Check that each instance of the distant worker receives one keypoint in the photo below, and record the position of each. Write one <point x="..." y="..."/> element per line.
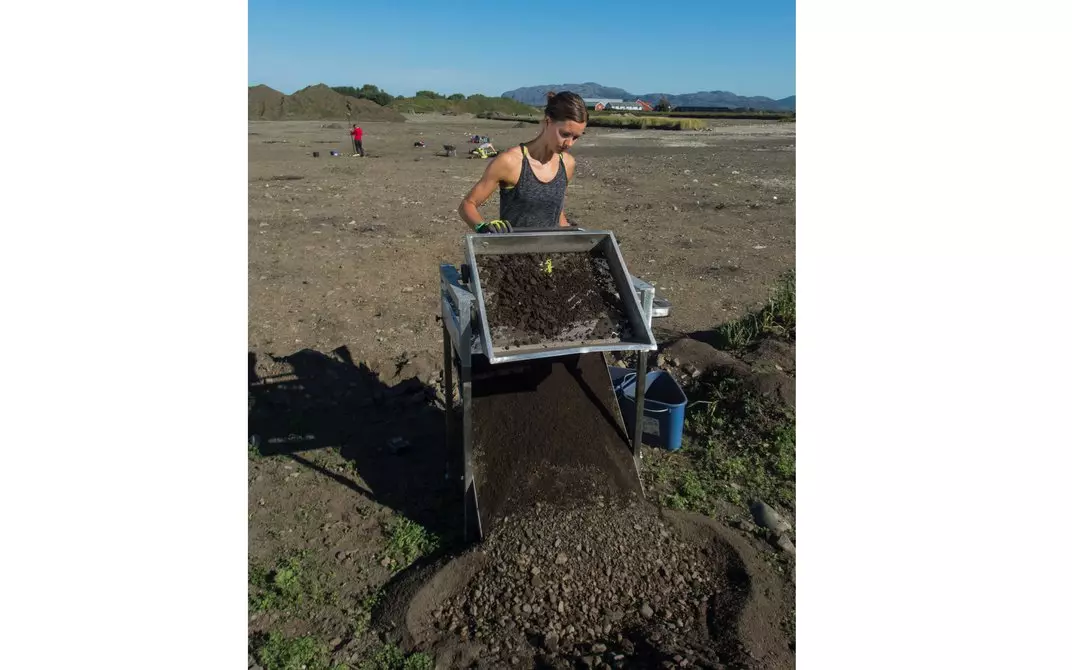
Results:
<point x="357" y="133"/>
<point x="531" y="177"/>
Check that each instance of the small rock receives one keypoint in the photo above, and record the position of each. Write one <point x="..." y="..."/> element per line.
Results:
<point x="646" y="611"/>
<point x="765" y="516"/>
<point x="550" y="642"/>
<point x="599" y="648"/>
<point x="514" y="660"/>
<point x="335" y="642"/>
<point x="786" y="545"/>
<point x="561" y="559"/>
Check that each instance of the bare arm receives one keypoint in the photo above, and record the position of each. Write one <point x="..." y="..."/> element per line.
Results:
<point x="469" y="210"/>
<point x="569" y="164"/>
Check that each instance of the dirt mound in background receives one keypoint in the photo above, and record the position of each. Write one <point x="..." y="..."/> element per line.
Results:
<point x="265" y="103"/>
<point x="599" y="586"/>
<point x="314" y="103"/>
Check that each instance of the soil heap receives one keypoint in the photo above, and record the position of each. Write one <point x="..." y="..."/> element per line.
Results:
<point x="314" y="103"/>
<point x="597" y="586"/>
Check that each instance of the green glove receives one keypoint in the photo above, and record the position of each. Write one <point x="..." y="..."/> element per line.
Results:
<point x="496" y="226"/>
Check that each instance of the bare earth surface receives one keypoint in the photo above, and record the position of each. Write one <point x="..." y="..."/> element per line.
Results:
<point x="347" y="405"/>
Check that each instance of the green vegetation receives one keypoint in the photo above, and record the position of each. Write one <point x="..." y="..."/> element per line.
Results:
<point x="642" y="122"/>
<point x="363" y="616"/>
<point x="738" y="443"/>
<point x="366" y="92"/>
<point x="432" y="102"/>
<point x="288" y="584"/>
<point x="390" y="657"/>
<point x="649" y="120"/>
<point x="754" y="114"/>
<point x="275" y="651"/>
<point x="406" y="542"/>
<point x="777" y="318"/>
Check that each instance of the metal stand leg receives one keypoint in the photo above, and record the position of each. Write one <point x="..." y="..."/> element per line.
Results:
<point x="448" y="398"/>
<point x="638" y="420"/>
<point x="473" y="530"/>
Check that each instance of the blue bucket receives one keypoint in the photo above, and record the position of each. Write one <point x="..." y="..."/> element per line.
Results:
<point x="664" y="406"/>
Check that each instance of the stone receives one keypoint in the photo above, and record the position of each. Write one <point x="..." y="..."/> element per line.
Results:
<point x="766" y="517"/>
<point x="550" y="642"/>
<point x="646" y="611"/>
<point x="786" y="545"/>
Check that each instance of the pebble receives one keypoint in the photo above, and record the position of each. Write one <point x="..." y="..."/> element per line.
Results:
<point x="560" y="559"/>
<point x="646" y="611"/>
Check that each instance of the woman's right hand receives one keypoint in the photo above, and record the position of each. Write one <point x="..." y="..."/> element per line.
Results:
<point x="494" y="227"/>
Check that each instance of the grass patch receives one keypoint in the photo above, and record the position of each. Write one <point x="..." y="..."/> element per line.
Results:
<point x="738" y="445"/>
<point x="777" y="318"/>
<point x="275" y="651"/>
<point x="644" y="122"/>
<point x="390" y="657"/>
<point x="363" y="616"/>
<point x="287" y="585"/>
<point x="481" y="105"/>
<point x="615" y="121"/>
<point x="406" y="542"/>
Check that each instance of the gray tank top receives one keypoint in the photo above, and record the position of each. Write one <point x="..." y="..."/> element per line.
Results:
<point x="532" y="203"/>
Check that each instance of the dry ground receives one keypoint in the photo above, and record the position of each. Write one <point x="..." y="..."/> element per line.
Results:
<point x="345" y="350"/>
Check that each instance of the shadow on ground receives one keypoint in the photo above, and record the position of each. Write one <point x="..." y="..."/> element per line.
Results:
<point x="393" y="434"/>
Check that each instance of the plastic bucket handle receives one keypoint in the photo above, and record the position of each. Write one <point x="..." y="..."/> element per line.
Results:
<point x="626" y="380"/>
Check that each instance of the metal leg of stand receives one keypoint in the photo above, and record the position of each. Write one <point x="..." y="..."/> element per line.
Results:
<point x="448" y="397"/>
<point x="638" y="420"/>
<point x="472" y="510"/>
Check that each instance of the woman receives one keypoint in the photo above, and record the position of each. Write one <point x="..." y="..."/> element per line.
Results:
<point x="532" y="176"/>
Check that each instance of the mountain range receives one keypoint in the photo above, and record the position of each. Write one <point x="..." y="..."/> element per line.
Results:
<point x="537" y="96"/>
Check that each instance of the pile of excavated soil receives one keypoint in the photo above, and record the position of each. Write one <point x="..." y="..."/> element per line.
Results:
<point x="597" y="586"/>
<point x="574" y="302"/>
<point x="315" y="103"/>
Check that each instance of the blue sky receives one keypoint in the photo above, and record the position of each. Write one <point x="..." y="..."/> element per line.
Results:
<point x="748" y="48"/>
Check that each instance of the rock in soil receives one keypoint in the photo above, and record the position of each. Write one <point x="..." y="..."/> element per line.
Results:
<point x="765" y="516"/>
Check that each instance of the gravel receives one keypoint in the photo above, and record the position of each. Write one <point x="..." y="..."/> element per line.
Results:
<point x="597" y="586"/>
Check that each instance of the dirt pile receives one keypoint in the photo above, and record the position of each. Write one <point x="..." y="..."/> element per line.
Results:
<point x="596" y="587"/>
<point x="265" y="103"/>
<point x="548" y="298"/>
<point x="316" y="103"/>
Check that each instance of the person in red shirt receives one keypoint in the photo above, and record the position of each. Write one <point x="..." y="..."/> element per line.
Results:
<point x="356" y="133"/>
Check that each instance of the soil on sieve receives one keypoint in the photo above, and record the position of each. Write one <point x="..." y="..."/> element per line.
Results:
<point x="547" y="430"/>
<point x="535" y="299"/>
<point x="596" y="586"/>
